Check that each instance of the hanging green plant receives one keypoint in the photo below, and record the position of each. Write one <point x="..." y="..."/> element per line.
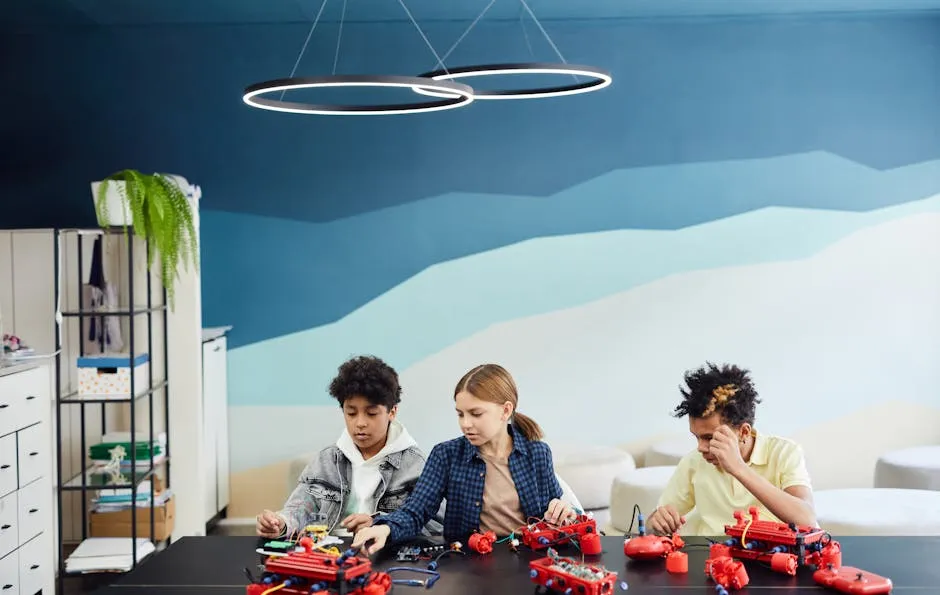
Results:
<point x="159" y="211"/>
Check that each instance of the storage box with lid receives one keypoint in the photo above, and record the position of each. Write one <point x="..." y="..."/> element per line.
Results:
<point x="119" y="523"/>
<point x="109" y="375"/>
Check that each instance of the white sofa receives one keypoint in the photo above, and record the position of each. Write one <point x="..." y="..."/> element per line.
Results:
<point x="590" y="470"/>
<point x="639" y="487"/>
<point x="878" y="511"/>
<point x="917" y="468"/>
<point x="669" y="451"/>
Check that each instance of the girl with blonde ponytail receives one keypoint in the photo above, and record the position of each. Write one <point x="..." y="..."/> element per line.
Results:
<point x="495" y="477"/>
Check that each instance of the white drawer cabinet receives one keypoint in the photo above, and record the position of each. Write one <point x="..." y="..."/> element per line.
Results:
<point x="10" y="574"/>
<point x="8" y="482"/>
<point x="27" y="555"/>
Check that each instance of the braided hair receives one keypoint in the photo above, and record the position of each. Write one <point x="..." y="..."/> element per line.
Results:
<point x="727" y="390"/>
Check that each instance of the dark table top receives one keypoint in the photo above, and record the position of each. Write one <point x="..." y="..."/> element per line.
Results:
<point x="215" y="566"/>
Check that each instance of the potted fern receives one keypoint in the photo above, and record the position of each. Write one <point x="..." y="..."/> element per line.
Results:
<point x="159" y="210"/>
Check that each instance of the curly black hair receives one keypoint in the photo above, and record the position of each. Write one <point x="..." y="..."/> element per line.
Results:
<point x="367" y="376"/>
<point x="727" y="390"/>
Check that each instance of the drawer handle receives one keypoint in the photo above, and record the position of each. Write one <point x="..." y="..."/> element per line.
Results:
<point x="5" y="527"/>
<point x="32" y="510"/>
<point x="34" y="567"/>
<point x="5" y="587"/>
<point x="34" y="453"/>
<point x="2" y="467"/>
<point x="4" y="405"/>
<point x="30" y="397"/>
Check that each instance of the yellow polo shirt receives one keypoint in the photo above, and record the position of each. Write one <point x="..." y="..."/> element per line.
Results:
<point x="708" y="497"/>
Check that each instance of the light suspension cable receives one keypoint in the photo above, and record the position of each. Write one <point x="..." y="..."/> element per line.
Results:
<point x="451" y="94"/>
<point x="598" y="78"/>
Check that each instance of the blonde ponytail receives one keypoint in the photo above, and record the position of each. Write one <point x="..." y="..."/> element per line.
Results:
<point x="528" y="426"/>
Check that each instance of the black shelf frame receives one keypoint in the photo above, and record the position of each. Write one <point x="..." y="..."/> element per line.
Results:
<point x="133" y="477"/>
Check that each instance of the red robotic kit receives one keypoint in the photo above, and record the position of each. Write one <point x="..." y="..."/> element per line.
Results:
<point x="542" y="535"/>
<point x="306" y="571"/>
<point x="785" y="548"/>
<point x="566" y="575"/>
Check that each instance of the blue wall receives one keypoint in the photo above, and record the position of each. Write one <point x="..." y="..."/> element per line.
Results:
<point x="307" y="218"/>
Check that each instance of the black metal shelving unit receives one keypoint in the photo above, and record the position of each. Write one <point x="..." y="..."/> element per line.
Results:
<point x="91" y="477"/>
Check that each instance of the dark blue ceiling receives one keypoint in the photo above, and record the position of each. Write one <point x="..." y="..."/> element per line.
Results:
<point x="30" y="15"/>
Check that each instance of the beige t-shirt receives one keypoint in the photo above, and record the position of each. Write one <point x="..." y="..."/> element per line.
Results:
<point x="501" y="512"/>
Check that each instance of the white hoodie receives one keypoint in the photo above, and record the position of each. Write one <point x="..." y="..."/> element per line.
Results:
<point x="365" y="476"/>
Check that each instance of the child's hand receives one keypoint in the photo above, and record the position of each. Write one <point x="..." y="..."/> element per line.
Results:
<point x="559" y="511"/>
<point x="665" y="520"/>
<point x="354" y="522"/>
<point x="268" y="524"/>
<point x="376" y="535"/>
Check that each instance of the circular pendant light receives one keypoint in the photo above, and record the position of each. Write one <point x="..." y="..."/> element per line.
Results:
<point x="455" y="95"/>
<point x="599" y="80"/>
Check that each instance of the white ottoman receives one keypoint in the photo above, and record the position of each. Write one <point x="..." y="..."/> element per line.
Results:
<point x="916" y="468"/>
<point x="878" y="511"/>
<point x="641" y="487"/>
<point x="668" y="452"/>
<point x="590" y="471"/>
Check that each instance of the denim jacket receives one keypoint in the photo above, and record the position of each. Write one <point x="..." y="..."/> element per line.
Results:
<point x="323" y="489"/>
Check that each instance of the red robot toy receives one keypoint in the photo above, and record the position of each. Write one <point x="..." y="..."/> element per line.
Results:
<point x="785" y="547"/>
<point x="542" y="535"/>
<point x="306" y="571"/>
<point x="653" y="547"/>
<point x="564" y="575"/>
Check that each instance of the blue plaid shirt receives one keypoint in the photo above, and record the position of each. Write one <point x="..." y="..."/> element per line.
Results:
<point x="455" y="471"/>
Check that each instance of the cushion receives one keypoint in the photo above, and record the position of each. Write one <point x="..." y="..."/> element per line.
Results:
<point x="668" y="452"/>
<point x="878" y="511"/>
<point x="641" y="487"/>
<point x="913" y="468"/>
<point x="590" y="470"/>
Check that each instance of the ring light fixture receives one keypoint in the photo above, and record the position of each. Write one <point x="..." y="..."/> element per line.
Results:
<point x="600" y="79"/>
<point x="455" y="95"/>
<point x="440" y="83"/>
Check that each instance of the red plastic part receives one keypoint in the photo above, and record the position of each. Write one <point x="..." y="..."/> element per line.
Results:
<point x="677" y="563"/>
<point x="556" y="535"/>
<point x="547" y="573"/>
<point x="317" y="567"/>
<point x="854" y="581"/>
<point x="783" y="563"/>
<point x="651" y="547"/>
<point x="829" y="556"/>
<point x="482" y="543"/>
<point x="591" y="544"/>
<point x="727" y="572"/>
<point x="719" y="550"/>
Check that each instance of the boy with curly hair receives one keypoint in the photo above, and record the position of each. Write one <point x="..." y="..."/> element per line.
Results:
<point x="370" y="470"/>
<point x="734" y="466"/>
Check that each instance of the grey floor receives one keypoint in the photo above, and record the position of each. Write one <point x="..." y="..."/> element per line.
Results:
<point x="78" y="586"/>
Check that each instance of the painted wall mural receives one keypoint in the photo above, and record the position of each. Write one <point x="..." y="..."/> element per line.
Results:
<point x="757" y="190"/>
